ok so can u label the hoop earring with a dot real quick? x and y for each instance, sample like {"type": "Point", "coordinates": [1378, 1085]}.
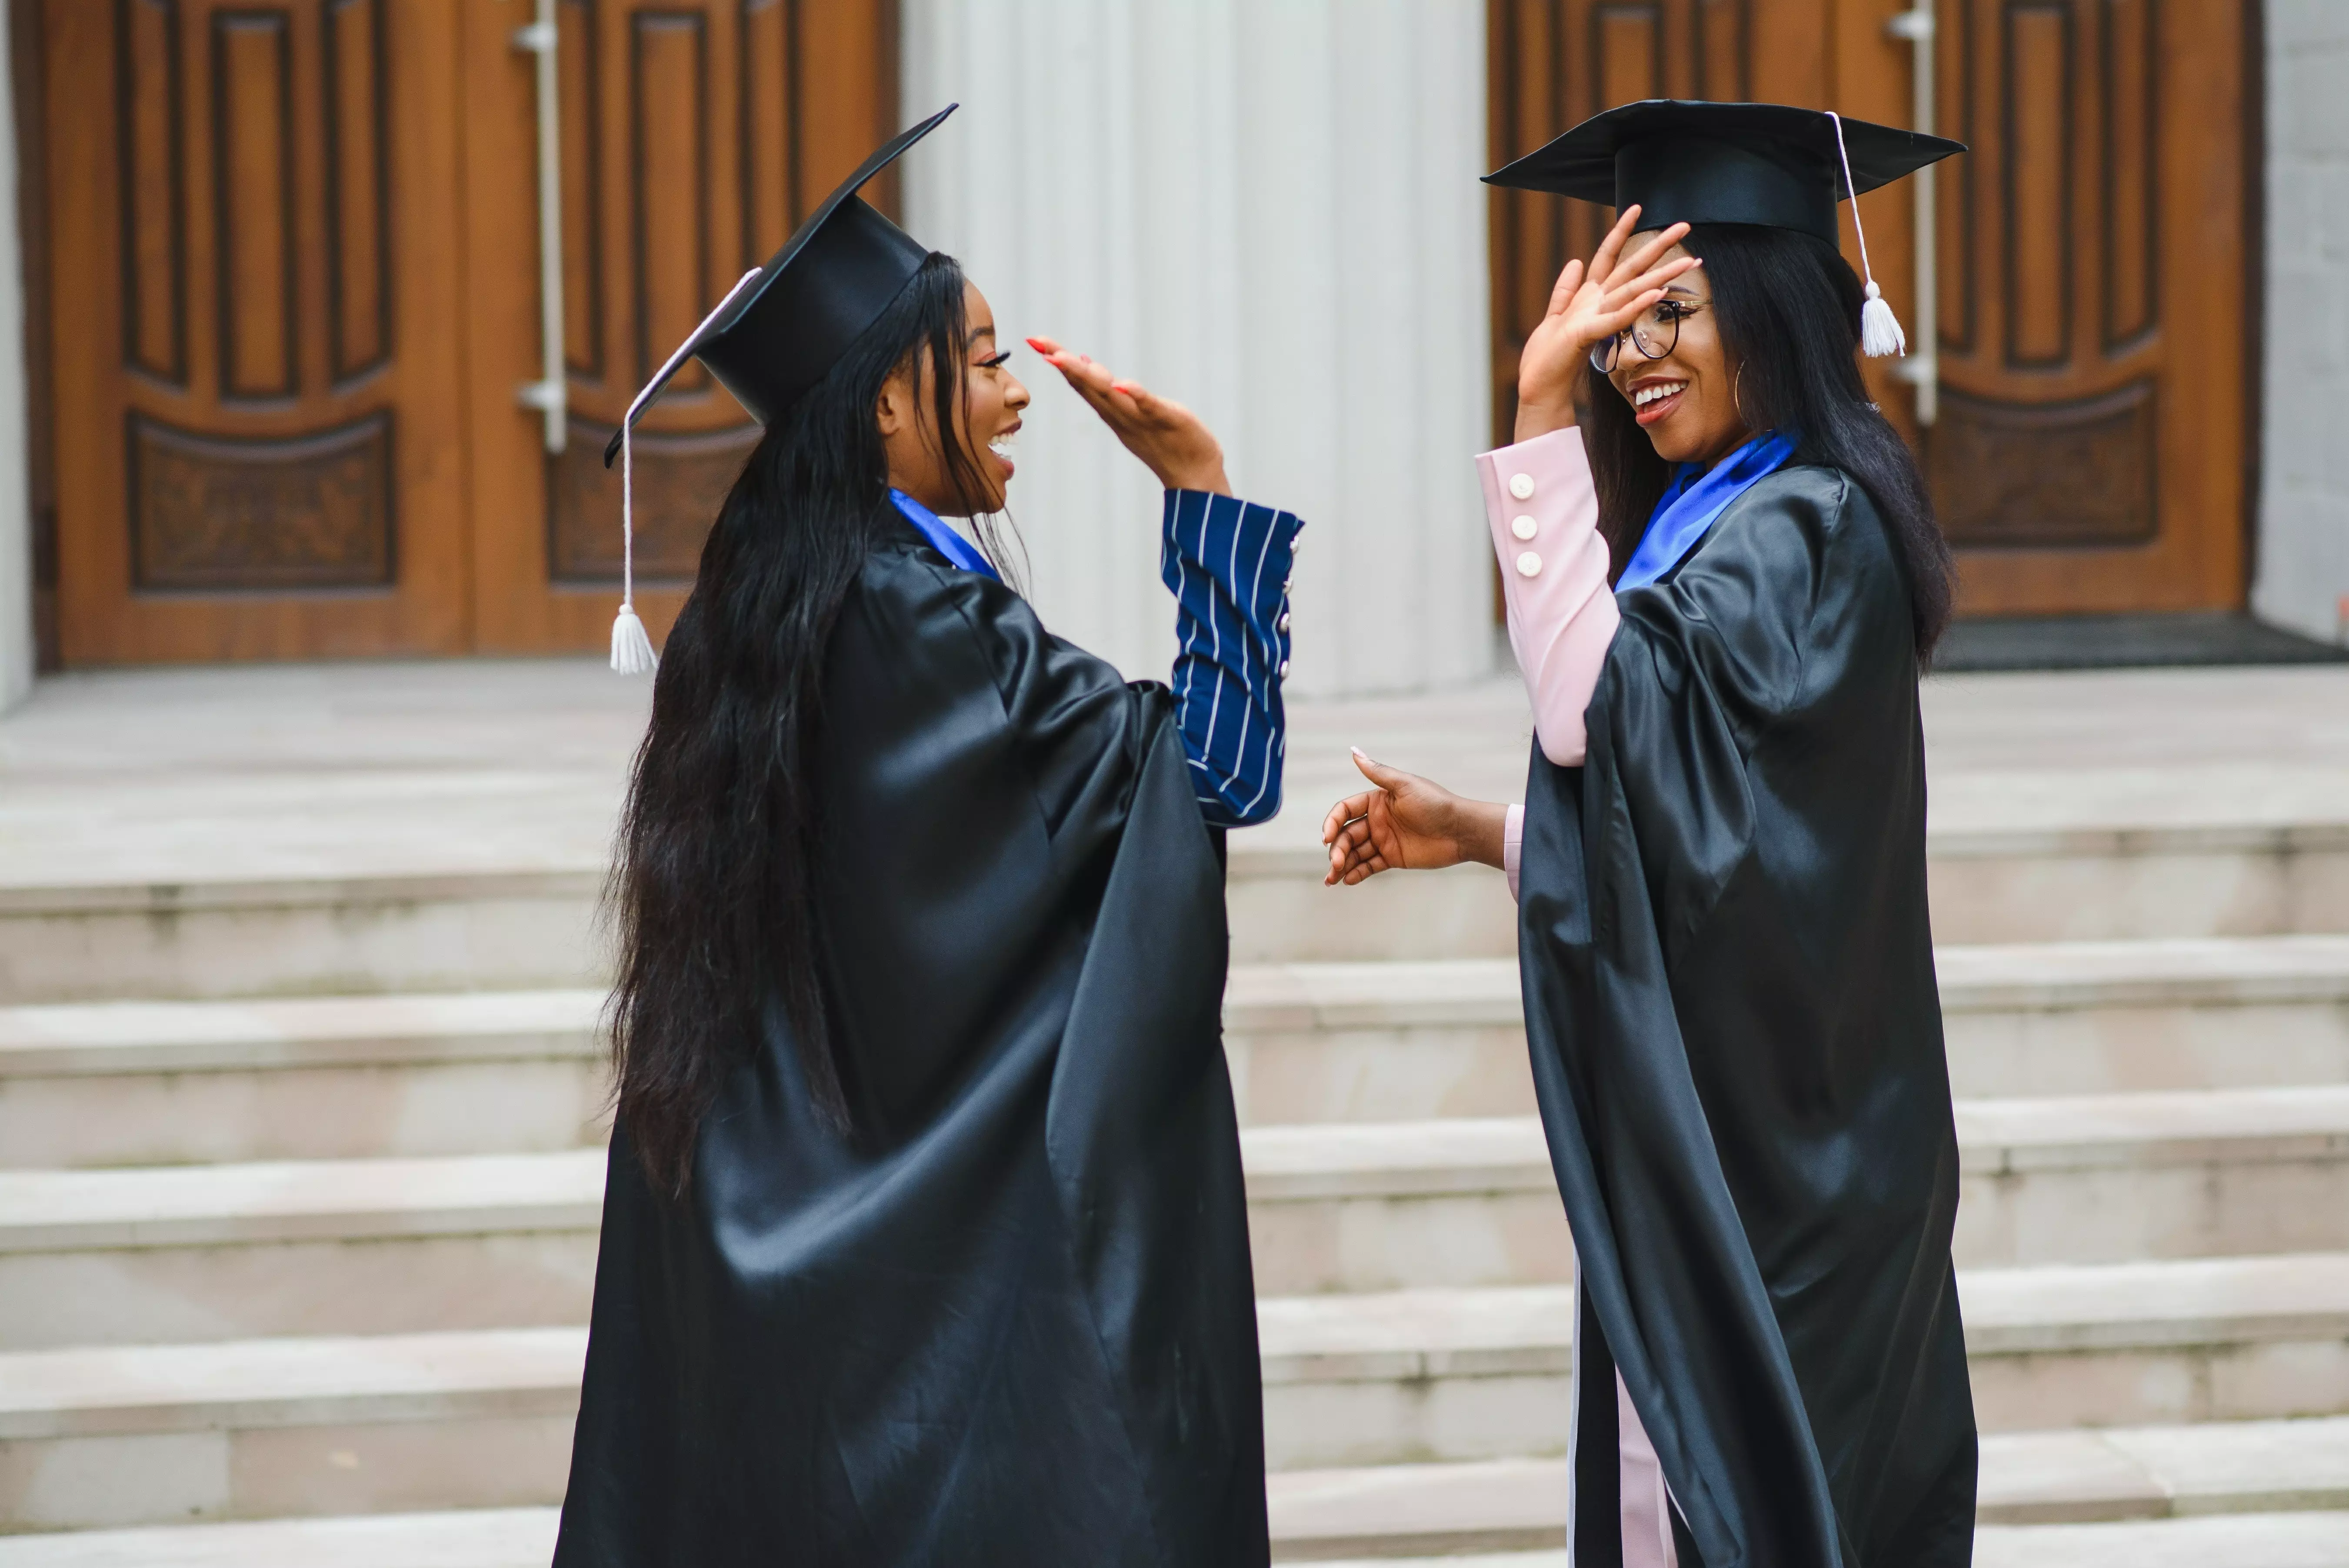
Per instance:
{"type": "Point", "coordinates": [1737, 397]}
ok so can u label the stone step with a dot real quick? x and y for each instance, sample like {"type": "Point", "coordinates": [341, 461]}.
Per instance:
{"type": "Point", "coordinates": [140, 1434]}
{"type": "Point", "coordinates": [270, 1428]}
{"type": "Point", "coordinates": [1387, 1517]}
{"type": "Point", "coordinates": [1432, 1376]}
{"type": "Point", "coordinates": [127, 1083]}
{"type": "Point", "coordinates": [159, 1083]}
{"type": "Point", "coordinates": [324, 936]}
{"type": "Point", "coordinates": [361, 1246]}
{"type": "Point", "coordinates": [184, 1254]}
{"type": "Point", "coordinates": [461, 1538]}
{"type": "Point", "coordinates": [2094, 1179]}
{"type": "Point", "coordinates": [534, 925]}
{"type": "Point", "coordinates": [1987, 883]}
{"type": "Point", "coordinates": [2217, 1468]}
{"type": "Point", "coordinates": [2079, 1179]}
{"type": "Point", "coordinates": [380, 1246]}
{"type": "Point", "coordinates": [1393, 1041]}
{"type": "Point", "coordinates": [2237, 1541]}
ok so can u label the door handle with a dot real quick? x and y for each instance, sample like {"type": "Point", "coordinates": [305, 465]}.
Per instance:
{"type": "Point", "coordinates": [1924, 368]}
{"type": "Point", "coordinates": [550, 394]}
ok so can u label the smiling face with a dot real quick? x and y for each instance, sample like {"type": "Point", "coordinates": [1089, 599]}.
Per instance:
{"type": "Point", "coordinates": [986, 420]}
{"type": "Point", "coordinates": [1687, 400]}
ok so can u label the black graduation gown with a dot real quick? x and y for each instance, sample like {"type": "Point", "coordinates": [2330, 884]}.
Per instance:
{"type": "Point", "coordinates": [1012, 1321]}
{"type": "Point", "coordinates": [1737, 1038]}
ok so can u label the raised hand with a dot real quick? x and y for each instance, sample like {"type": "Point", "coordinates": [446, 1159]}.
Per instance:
{"type": "Point", "coordinates": [1171, 440]}
{"type": "Point", "coordinates": [1593, 301]}
{"type": "Point", "coordinates": [1407, 823]}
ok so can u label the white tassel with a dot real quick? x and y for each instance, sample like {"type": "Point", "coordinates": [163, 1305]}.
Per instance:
{"type": "Point", "coordinates": [1880, 329]}
{"type": "Point", "coordinates": [632, 647]}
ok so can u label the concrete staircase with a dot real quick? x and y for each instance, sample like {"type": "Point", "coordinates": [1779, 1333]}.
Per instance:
{"type": "Point", "coordinates": [299, 1183]}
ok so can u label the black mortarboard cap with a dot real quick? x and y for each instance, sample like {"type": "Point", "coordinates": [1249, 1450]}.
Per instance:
{"type": "Point", "coordinates": [1684, 161]}
{"type": "Point", "coordinates": [776, 333]}
{"type": "Point", "coordinates": [780, 328]}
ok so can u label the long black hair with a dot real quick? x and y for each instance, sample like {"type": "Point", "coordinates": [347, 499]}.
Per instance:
{"type": "Point", "coordinates": [1788, 309]}
{"type": "Point", "coordinates": [711, 900]}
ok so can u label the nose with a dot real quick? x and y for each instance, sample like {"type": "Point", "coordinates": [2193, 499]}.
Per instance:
{"type": "Point", "coordinates": [1015, 392]}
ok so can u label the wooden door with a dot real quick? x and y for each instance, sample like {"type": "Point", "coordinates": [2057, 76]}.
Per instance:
{"type": "Point", "coordinates": [256, 389]}
{"type": "Point", "coordinates": [2089, 453]}
{"type": "Point", "coordinates": [695, 134]}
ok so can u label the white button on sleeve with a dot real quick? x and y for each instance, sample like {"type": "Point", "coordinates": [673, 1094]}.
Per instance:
{"type": "Point", "coordinates": [1522, 486]}
{"type": "Point", "coordinates": [1525, 527]}
{"type": "Point", "coordinates": [1528, 564]}
{"type": "Point", "coordinates": [1283, 671]}
{"type": "Point", "coordinates": [1283, 622]}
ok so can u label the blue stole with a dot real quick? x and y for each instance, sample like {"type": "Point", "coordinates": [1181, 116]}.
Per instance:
{"type": "Point", "coordinates": [943, 539]}
{"type": "Point", "coordinates": [1695, 498]}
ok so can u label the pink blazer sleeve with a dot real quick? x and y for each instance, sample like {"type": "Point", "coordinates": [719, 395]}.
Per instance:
{"type": "Point", "coordinates": [1544, 514]}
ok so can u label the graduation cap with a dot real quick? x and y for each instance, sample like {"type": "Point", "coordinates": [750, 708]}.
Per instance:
{"type": "Point", "coordinates": [777, 332]}
{"type": "Point", "coordinates": [1770, 164]}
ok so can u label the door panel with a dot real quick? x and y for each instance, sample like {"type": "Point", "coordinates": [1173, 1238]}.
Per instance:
{"type": "Point", "coordinates": [2089, 453]}
{"type": "Point", "coordinates": [258, 444]}
{"type": "Point", "coordinates": [694, 138]}
{"type": "Point", "coordinates": [2089, 450]}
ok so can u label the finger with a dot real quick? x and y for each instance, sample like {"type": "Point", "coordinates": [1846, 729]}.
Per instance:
{"type": "Point", "coordinates": [1350, 862]}
{"type": "Point", "coordinates": [1044, 346]}
{"type": "Point", "coordinates": [1654, 246]}
{"type": "Point", "coordinates": [1617, 320]}
{"type": "Point", "coordinates": [1344, 856]}
{"type": "Point", "coordinates": [1654, 278]}
{"type": "Point", "coordinates": [1091, 382]}
{"type": "Point", "coordinates": [1379, 773]}
{"type": "Point", "coordinates": [1152, 406]}
{"type": "Point", "coordinates": [1602, 260]}
{"type": "Point", "coordinates": [1569, 282]}
{"type": "Point", "coordinates": [1353, 808]}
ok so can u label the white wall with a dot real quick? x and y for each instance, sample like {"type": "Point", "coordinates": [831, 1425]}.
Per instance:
{"type": "Point", "coordinates": [2304, 547]}
{"type": "Point", "coordinates": [1266, 209]}
{"type": "Point", "coordinates": [15, 499]}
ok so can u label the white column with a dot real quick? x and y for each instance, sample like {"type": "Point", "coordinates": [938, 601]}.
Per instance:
{"type": "Point", "coordinates": [1267, 210]}
{"type": "Point", "coordinates": [16, 496]}
{"type": "Point", "coordinates": [2303, 524]}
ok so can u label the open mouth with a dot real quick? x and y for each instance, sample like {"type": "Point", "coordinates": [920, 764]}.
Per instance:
{"type": "Point", "coordinates": [1001, 448]}
{"type": "Point", "coordinates": [1656, 399]}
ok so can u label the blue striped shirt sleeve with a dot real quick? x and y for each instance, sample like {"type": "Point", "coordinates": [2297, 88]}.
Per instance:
{"type": "Point", "coordinates": [1227, 561]}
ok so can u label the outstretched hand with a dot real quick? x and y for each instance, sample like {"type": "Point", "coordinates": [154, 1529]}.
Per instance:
{"type": "Point", "coordinates": [1407, 823]}
{"type": "Point", "coordinates": [1172, 441]}
{"type": "Point", "coordinates": [1592, 301]}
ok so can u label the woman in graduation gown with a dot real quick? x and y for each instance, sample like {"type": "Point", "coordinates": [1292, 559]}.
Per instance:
{"type": "Point", "coordinates": [924, 1237]}
{"type": "Point", "coordinates": [1719, 862]}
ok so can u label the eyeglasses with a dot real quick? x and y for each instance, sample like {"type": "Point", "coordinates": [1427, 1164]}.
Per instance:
{"type": "Point", "coordinates": [1656, 334]}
